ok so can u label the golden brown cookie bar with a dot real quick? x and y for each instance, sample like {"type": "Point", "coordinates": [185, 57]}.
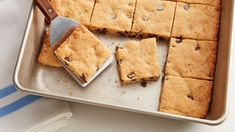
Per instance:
{"type": "Point", "coordinates": [153, 18]}
{"type": "Point", "coordinates": [83, 53]}
{"type": "Point", "coordinates": [46, 56]}
{"type": "Point", "coordinates": [138, 61]}
{"type": "Point", "coordinates": [113, 16]}
{"type": "Point", "coordinates": [196, 21]}
{"type": "Point", "coordinates": [207, 2]}
{"type": "Point", "coordinates": [191, 58]}
{"type": "Point", "coordinates": [80, 10]}
{"type": "Point", "coordinates": [185, 96]}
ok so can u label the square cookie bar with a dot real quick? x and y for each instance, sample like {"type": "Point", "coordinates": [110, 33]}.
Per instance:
{"type": "Point", "coordinates": [181, 96]}
{"type": "Point", "coordinates": [80, 10]}
{"type": "Point", "coordinates": [81, 55]}
{"type": "Point", "coordinates": [206, 2]}
{"type": "Point", "coordinates": [46, 56]}
{"type": "Point", "coordinates": [113, 16]}
{"type": "Point", "coordinates": [153, 18]}
{"type": "Point", "coordinates": [138, 61]}
{"type": "Point", "coordinates": [196, 21]}
{"type": "Point", "coordinates": [191, 58]}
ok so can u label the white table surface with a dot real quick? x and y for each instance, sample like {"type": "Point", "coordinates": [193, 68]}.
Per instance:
{"type": "Point", "coordinates": [91, 118]}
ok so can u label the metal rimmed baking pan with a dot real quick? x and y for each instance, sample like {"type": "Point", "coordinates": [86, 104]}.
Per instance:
{"type": "Point", "coordinates": [106, 91]}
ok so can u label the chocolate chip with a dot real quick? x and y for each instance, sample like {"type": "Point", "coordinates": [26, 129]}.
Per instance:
{"type": "Point", "coordinates": [186, 7]}
{"type": "Point", "coordinates": [143, 84]}
{"type": "Point", "coordinates": [133, 80]}
{"type": "Point", "coordinates": [68, 59]}
{"type": "Point", "coordinates": [160, 8]}
{"type": "Point", "coordinates": [145, 18]}
{"type": "Point", "coordinates": [197, 47]}
{"type": "Point", "coordinates": [190, 96]}
{"type": "Point", "coordinates": [131, 75]}
{"type": "Point", "coordinates": [178, 40]}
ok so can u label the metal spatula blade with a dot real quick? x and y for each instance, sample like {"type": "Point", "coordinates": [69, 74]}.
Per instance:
{"type": "Point", "coordinates": [61, 28]}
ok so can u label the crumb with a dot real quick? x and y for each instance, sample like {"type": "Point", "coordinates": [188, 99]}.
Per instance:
{"type": "Point", "coordinates": [138, 98]}
{"type": "Point", "coordinates": [143, 84]}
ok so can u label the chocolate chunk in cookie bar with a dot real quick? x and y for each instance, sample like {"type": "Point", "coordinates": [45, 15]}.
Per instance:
{"type": "Point", "coordinates": [186, 96]}
{"type": "Point", "coordinates": [138, 61]}
{"type": "Point", "coordinates": [191, 58]}
{"type": "Point", "coordinates": [113, 16]}
{"type": "Point", "coordinates": [83, 53]}
{"type": "Point", "coordinates": [196, 21]}
{"type": "Point", "coordinates": [153, 18]}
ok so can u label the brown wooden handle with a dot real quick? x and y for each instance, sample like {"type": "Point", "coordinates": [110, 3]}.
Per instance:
{"type": "Point", "coordinates": [47, 9]}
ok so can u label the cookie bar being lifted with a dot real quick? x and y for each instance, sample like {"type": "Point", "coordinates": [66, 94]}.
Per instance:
{"type": "Point", "coordinates": [181, 96]}
{"type": "Point", "coordinates": [153, 18]}
{"type": "Point", "coordinates": [113, 16]}
{"type": "Point", "coordinates": [191, 58]}
{"type": "Point", "coordinates": [138, 61]}
{"type": "Point", "coordinates": [196, 21]}
{"type": "Point", "coordinates": [83, 53]}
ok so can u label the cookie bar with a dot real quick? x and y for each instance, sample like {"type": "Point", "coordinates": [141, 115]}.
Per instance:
{"type": "Point", "coordinates": [153, 18]}
{"type": "Point", "coordinates": [80, 10]}
{"type": "Point", "coordinates": [46, 56]}
{"type": "Point", "coordinates": [138, 61]}
{"type": "Point", "coordinates": [113, 16]}
{"type": "Point", "coordinates": [191, 58]}
{"type": "Point", "coordinates": [206, 2]}
{"type": "Point", "coordinates": [196, 21]}
{"type": "Point", "coordinates": [81, 55]}
{"type": "Point", "coordinates": [181, 96]}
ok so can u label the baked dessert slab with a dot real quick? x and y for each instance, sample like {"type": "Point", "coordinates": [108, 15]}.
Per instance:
{"type": "Point", "coordinates": [46, 56]}
{"type": "Point", "coordinates": [206, 2]}
{"type": "Point", "coordinates": [196, 21]}
{"type": "Point", "coordinates": [153, 18]}
{"type": "Point", "coordinates": [191, 58]}
{"type": "Point", "coordinates": [81, 55]}
{"type": "Point", "coordinates": [181, 96]}
{"type": "Point", "coordinates": [113, 16]}
{"type": "Point", "coordinates": [79, 10]}
{"type": "Point", "coordinates": [138, 61]}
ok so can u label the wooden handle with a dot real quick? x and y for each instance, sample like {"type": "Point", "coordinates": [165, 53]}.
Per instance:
{"type": "Point", "coordinates": [47, 9]}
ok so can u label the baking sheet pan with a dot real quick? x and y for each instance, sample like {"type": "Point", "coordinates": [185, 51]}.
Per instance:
{"type": "Point", "coordinates": [34, 78]}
